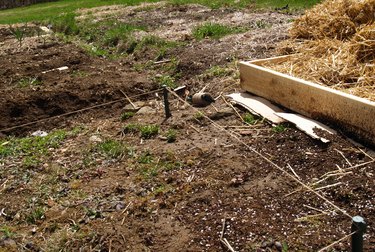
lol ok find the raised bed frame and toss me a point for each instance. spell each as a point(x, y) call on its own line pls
point(353, 115)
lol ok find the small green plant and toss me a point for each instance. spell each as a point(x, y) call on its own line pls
point(166, 80)
point(149, 131)
point(157, 45)
point(131, 128)
point(112, 148)
point(7, 232)
point(92, 213)
point(215, 31)
point(285, 247)
point(79, 73)
point(36, 215)
point(218, 71)
point(199, 116)
point(279, 128)
point(145, 158)
point(171, 135)
point(262, 24)
point(31, 161)
point(126, 115)
point(65, 23)
point(29, 81)
point(250, 118)
point(18, 33)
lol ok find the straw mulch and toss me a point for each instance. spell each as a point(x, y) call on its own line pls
point(334, 45)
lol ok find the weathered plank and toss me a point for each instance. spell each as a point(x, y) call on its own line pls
point(349, 113)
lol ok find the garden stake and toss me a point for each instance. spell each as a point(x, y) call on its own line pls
point(359, 227)
point(166, 103)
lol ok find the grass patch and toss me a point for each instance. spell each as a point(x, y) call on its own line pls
point(250, 119)
point(43, 11)
point(171, 135)
point(131, 128)
point(126, 115)
point(149, 131)
point(157, 46)
point(28, 82)
point(146, 131)
point(31, 146)
point(166, 80)
point(35, 216)
point(215, 31)
point(7, 232)
point(145, 158)
point(279, 128)
point(111, 148)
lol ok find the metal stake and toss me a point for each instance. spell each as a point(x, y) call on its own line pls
point(166, 102)
point(359, 227)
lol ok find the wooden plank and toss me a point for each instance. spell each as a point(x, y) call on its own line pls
point(349, 113)
point(258, 105)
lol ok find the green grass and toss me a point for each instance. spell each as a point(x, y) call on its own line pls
point(36, 215)
point(112, 148)
point(166, 80)
point(126, 115)
point(29, 81)
point(279, 128)
point(215, 31)
point(31, 146)
point(171, 135)
point(7, 232)
point(250, 118)
point(148, 131)
point(44, 11)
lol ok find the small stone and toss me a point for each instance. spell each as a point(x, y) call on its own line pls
point(95, 139)
point(8, 243)
point(146, 110)
point(120, 206)
point(278, 246)
point(39, 133)
point(136, 107)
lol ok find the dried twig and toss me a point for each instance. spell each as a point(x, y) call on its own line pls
point(127, 98)
point(328, 186)
point(316, 209)
point(194, 128)
point(295, 174)
point(334, 243)
point(342, 154)
point(230, 105)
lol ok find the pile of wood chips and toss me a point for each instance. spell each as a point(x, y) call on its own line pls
point(333, 44)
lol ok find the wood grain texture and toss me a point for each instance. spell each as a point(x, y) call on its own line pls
point(349, 113)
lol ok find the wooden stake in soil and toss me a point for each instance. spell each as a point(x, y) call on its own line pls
point(166, 102)
point(359, 227)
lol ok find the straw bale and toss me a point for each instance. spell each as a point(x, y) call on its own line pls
point(333, 44)
point(334, 19)
point(363, 43)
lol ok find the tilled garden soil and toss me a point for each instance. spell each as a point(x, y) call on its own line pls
point(219, 180)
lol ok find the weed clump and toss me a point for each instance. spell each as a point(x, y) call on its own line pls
point(126, 115)
point(250, 118)
point(215, 31)
point(111, 148)
point(149, 131)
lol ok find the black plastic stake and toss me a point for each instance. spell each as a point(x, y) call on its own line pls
point(359, 227)
point(166, 102)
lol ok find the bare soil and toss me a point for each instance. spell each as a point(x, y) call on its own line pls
point(188, 194)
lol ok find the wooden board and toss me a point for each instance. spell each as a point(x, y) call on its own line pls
point(349, 113)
